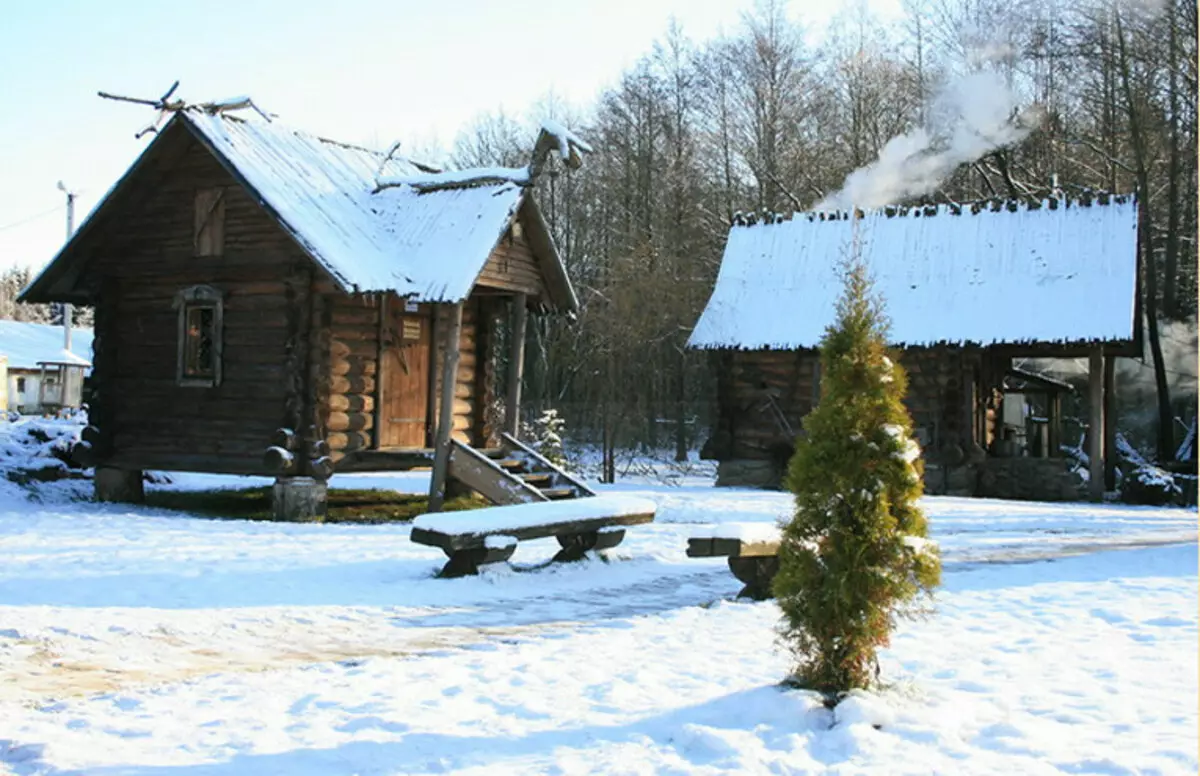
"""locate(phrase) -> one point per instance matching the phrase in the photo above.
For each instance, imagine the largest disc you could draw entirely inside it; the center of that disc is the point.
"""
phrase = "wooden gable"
(525, 261)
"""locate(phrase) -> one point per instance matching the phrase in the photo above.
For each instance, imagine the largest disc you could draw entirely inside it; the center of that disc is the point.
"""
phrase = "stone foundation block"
(299, 500)
(119, 485)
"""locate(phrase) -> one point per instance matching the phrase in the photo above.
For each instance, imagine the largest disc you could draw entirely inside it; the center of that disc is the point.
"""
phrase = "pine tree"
(854, 556)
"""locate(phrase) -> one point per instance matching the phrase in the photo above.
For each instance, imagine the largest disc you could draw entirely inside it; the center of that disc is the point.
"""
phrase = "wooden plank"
(377, 439)
(480, 473)
(1096, 424)
(453, 542)
(437, 484)
(720, 547)
(1110, 423)
(385, 460)
(516, 365)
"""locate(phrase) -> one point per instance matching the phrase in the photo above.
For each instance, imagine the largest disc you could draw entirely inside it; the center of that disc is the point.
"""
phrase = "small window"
(20, 385)
(200, 320)
(209, 234)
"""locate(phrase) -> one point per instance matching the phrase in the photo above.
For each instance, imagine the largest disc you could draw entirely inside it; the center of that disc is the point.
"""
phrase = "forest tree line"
(1098, 94)
(1103, 97)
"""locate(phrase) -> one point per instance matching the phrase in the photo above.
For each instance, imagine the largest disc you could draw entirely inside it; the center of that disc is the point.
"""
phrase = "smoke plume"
(972, 116)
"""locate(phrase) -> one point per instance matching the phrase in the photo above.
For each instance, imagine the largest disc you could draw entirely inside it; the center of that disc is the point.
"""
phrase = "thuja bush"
(854, 557)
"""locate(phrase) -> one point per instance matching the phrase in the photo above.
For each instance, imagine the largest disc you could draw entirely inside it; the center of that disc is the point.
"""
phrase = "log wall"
(146, 419)
(297, 353)
(354, 378)
(473, 421)
(352, 368)
(513, 267)
(764, 395)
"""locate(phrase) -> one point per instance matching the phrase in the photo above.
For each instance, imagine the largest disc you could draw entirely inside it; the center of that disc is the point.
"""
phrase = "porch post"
(516, 365)
(441, 457)
(1096, 424)
(42, 391)
(380, 373)
(1054, 399)
(1110, 423)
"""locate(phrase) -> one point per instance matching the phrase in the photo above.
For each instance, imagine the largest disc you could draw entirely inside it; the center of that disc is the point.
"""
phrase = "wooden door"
(406, 368)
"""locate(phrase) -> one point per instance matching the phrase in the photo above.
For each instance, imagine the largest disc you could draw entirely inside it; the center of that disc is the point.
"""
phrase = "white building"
(43, 376)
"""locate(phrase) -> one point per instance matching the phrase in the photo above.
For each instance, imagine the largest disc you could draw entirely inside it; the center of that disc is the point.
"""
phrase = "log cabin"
(274, 303)
(971, 291)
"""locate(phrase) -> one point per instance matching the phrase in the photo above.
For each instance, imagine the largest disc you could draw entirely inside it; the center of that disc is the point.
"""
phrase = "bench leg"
(577, 546)
(465, 563)
(757, 573)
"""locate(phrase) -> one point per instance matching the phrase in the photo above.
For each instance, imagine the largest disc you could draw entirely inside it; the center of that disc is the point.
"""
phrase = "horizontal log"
(130, 388)
(348, 441)
(188, 462)
(321, 468)
(350, 421)
(351, 384)
(343, 314)
(145, 409)
(278, 460)
(341, 402)
(368, 332)
(344, 349)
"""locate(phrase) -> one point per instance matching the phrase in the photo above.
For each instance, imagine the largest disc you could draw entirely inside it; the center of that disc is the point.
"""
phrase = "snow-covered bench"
(480, 536)
(752, 550)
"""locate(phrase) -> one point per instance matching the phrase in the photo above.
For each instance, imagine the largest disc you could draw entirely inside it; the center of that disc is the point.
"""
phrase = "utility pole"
(68, 309)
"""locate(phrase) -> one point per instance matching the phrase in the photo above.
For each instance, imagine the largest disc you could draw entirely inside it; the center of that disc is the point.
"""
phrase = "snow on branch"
(551, 137)
(451, 179)
(555, 137)
(165, 105)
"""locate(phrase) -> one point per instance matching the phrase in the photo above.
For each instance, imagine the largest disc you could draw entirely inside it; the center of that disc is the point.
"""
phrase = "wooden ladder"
(513, 473)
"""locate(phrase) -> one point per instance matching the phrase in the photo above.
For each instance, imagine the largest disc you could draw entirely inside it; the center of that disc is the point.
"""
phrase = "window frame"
(194, 298)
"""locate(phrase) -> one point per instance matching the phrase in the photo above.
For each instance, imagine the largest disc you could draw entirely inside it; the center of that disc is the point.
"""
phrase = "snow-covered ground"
(135, 641)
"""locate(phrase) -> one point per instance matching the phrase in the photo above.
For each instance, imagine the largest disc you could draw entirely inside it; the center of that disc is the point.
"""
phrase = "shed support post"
(516, 365)
(42, 391)
(380, 373)
(1096, 424)
(1055, 413)
(441, 456)
(1110, 423)
(299, 499)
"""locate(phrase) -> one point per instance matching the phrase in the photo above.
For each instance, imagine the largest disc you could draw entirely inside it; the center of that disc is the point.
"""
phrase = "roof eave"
(293, 234)
(41, 290)
(559, 290)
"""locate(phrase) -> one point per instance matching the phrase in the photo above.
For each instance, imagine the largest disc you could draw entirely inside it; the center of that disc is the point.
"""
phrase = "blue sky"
(367, 71)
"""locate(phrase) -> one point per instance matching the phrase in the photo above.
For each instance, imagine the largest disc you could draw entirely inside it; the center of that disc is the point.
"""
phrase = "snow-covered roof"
(1058, 271)
(428, 245)
(375, 221)
(28, 345)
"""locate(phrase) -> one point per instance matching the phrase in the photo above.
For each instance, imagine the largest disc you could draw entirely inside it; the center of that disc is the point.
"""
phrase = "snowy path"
(135, 642)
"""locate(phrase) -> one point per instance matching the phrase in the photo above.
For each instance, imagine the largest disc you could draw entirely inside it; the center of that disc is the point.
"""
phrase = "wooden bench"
(478, 537)
(752, 550)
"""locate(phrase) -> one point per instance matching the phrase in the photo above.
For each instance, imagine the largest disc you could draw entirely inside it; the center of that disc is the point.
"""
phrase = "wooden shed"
(270, 302)
(970, 291)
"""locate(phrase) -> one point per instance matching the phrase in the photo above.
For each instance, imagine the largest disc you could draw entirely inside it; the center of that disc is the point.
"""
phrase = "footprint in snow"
(1169, 622)
(1110, 617)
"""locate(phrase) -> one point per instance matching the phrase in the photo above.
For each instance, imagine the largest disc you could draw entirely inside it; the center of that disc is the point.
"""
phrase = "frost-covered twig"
(477, 176)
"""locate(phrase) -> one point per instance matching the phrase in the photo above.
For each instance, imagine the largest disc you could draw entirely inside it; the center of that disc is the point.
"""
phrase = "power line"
(34, 217)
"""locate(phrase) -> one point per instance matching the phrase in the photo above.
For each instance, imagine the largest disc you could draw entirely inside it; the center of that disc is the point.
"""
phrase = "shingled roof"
(428, 243)
(1056, 271)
